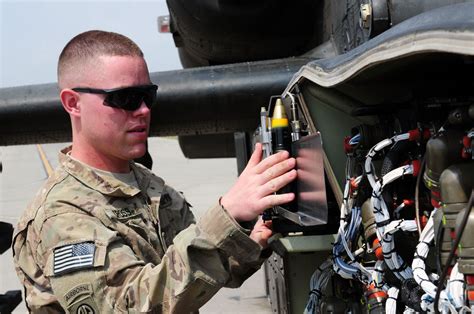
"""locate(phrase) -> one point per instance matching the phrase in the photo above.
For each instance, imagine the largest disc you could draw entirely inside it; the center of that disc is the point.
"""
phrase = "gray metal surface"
(290, 267)
(448, 29)
(401, 10)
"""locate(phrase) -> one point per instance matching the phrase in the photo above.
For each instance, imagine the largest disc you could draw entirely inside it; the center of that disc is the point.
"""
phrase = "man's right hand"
(255, 188)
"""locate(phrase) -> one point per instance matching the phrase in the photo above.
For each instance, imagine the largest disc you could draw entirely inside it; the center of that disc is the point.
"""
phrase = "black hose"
(417, 196)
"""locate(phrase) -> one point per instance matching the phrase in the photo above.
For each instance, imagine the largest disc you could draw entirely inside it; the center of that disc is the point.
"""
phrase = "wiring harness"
(407, 245)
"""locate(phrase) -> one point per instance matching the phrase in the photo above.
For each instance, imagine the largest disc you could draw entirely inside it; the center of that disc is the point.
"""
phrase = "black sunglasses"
(128, 98)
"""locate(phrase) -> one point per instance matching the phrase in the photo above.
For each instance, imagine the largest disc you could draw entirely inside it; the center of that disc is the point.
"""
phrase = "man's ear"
(70, 101)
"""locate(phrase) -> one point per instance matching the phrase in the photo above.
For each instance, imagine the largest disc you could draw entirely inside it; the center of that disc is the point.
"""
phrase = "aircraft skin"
(387, 86)
(286, 30)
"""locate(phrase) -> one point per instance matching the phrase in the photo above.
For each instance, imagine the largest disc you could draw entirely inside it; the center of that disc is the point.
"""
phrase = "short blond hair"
(89, 46)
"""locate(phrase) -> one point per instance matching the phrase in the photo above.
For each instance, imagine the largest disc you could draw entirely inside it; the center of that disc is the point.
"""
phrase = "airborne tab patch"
(77, 291)
(73, 257)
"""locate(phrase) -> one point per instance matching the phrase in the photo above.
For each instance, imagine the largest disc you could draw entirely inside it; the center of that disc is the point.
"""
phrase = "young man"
(105, 234)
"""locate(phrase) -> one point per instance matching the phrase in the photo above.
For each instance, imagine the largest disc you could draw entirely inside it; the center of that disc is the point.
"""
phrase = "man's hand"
(261, 232)
(254, 190)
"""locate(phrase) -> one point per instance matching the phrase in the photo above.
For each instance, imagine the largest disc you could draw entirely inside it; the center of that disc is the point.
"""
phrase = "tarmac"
(201, 180)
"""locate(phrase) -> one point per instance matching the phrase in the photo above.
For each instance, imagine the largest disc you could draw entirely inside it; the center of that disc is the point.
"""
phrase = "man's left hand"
(262, 232)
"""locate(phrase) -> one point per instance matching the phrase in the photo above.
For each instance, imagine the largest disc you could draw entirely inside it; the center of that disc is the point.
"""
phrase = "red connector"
(416, 167)
(417, 134)
(466, 151)
(377, 248)
(347, 146)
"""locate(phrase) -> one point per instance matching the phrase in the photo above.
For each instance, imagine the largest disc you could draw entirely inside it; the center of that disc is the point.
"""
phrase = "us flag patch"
(73, 257)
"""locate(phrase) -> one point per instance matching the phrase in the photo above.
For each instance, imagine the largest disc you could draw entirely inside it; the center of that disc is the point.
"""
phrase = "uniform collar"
(107, 185)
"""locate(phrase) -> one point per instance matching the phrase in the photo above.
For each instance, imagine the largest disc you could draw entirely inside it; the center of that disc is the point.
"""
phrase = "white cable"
(397, 210)
(351, 270)
(433, 277)
(382, 216)
(409, 310)
(427, 303)
(450, 298)
(391, 304)
(421, 252)
(395, 262)
(377, 274)
(379, 206)
(343, 214)
(369, 172)
(455, 288)
(375, 150)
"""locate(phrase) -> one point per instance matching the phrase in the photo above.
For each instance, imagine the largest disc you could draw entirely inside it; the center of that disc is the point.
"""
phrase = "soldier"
(104, 234)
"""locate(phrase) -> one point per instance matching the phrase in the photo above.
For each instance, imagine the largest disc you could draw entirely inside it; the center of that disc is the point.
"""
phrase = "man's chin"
(138, 150)
(138, 154)
(144, 159)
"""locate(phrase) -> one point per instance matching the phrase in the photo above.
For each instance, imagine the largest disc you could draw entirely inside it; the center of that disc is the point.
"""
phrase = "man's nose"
(142, 110)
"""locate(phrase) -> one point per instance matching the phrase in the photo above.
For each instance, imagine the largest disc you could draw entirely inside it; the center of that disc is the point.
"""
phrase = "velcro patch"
(73, 257)
(77, 292)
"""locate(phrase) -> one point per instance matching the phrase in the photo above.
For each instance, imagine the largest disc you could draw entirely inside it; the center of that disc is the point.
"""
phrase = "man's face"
(112, 134)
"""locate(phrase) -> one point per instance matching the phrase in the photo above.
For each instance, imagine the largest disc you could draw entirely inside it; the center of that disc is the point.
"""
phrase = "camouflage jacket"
(90, 243)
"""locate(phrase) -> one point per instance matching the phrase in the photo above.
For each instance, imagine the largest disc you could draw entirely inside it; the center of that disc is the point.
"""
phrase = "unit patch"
(85, 309)
(86, 306)
(73, 257)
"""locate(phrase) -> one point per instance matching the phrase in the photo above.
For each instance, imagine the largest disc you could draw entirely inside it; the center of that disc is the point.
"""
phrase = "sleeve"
(103, 274)
(175, 214)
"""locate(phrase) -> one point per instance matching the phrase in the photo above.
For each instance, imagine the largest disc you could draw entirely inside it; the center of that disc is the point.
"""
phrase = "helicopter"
(378, 95)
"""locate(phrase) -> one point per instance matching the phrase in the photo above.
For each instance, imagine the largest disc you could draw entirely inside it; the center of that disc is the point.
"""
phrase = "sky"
(33, 33)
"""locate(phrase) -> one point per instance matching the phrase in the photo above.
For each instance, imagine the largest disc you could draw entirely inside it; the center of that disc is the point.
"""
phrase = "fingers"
(278, 169)
(261, 232)
(277, 199)
(271, 161)
(276, 184)
(256, 155)
(245, 200)
(263, 236)
(262, 224)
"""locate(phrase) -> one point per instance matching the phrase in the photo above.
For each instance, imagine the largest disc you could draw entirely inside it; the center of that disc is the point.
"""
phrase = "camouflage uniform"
(90, 243)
